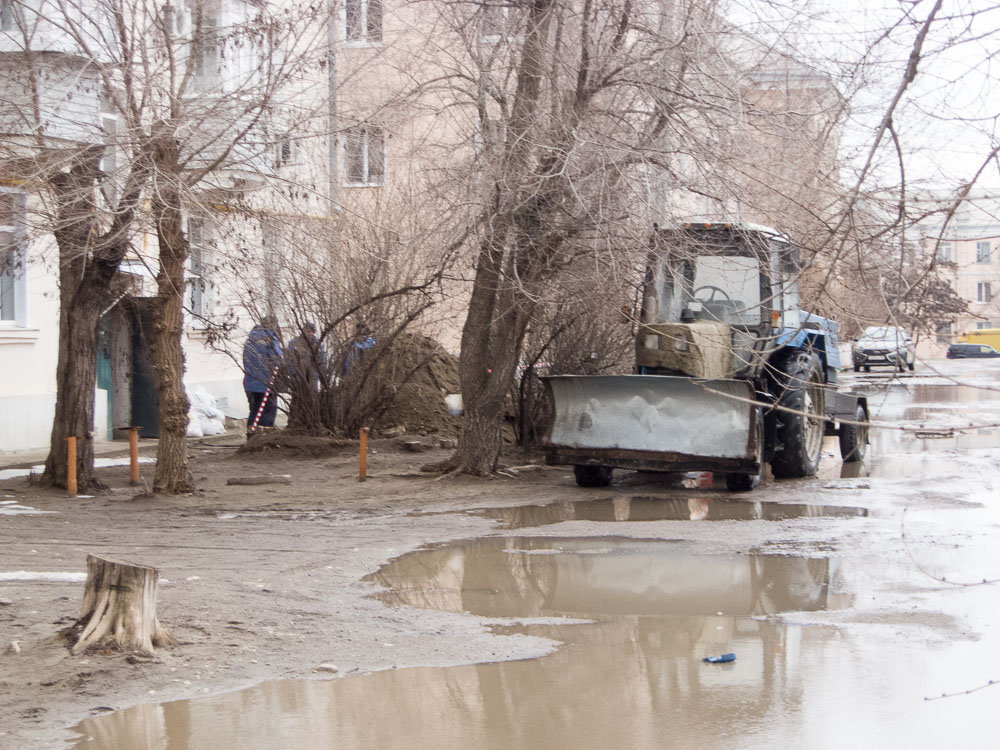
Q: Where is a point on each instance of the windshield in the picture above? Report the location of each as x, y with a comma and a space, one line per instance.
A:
882, 333
723, 288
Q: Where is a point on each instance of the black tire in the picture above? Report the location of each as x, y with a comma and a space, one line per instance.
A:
854, 437
593, 476
747, 482
800, 430
857, 368
867, 368
911, 365
742, 482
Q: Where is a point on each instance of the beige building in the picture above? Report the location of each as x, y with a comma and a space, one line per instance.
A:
967, 253
330, 144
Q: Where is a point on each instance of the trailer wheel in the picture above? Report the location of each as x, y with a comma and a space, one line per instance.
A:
592, 476
801, 428
854, 437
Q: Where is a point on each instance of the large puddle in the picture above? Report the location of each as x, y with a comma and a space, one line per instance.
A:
929, 423
635, 619
631, 677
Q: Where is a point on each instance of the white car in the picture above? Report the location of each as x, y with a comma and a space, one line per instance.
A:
884, 346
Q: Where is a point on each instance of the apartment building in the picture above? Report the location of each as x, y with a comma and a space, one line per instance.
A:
312, 155
80, 77
324, 147
967, 256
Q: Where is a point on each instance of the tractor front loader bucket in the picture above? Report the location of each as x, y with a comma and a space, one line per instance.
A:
654, 422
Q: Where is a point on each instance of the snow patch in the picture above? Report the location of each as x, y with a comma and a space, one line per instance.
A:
99, 463
24, 575
11, 508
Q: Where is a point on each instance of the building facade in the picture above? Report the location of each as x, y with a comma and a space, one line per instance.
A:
966, 253
319, 149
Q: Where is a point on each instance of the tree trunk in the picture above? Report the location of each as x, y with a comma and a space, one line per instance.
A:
172, 475
480, 443
119, 607
87, 266
501, 306
76, 378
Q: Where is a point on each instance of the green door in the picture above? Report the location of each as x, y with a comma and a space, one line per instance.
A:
104, 363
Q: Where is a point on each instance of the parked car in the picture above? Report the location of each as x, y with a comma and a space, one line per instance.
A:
962, 351
884, 346
989, 336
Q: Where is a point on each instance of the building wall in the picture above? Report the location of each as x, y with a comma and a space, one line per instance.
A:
967, 254
28, 355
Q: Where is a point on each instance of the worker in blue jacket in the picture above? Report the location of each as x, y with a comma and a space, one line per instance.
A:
261, 357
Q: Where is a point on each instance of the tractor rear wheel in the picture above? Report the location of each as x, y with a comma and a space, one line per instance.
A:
854, 437
592, 476
801, 418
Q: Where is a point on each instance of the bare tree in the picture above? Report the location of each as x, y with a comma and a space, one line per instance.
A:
595, 119
187, 96
345, 294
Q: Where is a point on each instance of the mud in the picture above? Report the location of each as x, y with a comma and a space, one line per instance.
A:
276, 582
423, 373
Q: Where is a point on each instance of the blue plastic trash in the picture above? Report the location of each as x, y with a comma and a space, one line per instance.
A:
720, 659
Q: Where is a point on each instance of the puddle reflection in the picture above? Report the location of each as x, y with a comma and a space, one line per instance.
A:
527, 577
663, 509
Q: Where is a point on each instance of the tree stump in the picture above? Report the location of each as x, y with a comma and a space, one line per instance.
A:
119, 607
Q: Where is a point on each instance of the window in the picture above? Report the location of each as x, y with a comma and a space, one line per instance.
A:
942, 332
982, 252
983, 291
199, 236
944, 252
286, 151
981, 324
491, 134
13, 303
364, 155
8, 15
493, 24
206, 54
109, 161
176, 18
363, 21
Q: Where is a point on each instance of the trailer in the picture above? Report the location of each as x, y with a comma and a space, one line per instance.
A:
730, 372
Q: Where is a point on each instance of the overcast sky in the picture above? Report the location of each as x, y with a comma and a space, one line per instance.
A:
948, 119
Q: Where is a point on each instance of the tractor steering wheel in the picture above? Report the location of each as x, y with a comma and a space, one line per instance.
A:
713, 290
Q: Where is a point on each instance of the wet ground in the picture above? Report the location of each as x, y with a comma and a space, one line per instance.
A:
851, 601
630, 670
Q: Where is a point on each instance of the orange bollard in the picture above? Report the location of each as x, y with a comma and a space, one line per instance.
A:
363, 475
71, 466
133, 455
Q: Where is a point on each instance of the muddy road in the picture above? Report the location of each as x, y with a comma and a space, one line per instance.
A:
526, 612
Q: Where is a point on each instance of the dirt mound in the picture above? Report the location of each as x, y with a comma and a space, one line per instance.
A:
295, 444
422, 373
